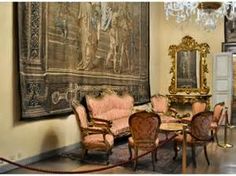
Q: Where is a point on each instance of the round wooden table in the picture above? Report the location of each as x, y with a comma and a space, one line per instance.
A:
172, 126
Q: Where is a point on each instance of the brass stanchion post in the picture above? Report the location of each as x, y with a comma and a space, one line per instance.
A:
184, 147
229, 125
225, 145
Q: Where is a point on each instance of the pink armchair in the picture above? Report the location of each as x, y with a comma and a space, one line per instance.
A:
94, 136
160, 106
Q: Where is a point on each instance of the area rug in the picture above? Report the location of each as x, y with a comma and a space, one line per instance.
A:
164, 165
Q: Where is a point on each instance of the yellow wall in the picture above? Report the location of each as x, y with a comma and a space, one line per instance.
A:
169, 32
20, 139
155, 20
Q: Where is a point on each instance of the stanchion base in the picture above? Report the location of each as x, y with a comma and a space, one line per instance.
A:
225, 145
231, 126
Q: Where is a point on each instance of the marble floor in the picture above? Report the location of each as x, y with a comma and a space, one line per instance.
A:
223, 161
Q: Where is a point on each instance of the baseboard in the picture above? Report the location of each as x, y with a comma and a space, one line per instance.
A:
42, 156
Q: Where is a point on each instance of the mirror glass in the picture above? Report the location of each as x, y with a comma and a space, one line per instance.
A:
187, 69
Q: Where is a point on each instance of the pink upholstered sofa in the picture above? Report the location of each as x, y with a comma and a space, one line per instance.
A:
112, 107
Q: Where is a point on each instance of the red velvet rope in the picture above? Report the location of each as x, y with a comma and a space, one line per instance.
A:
85, 171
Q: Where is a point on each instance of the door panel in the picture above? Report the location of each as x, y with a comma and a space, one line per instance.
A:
223, 80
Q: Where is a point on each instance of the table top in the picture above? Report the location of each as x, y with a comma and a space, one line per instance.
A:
172, 126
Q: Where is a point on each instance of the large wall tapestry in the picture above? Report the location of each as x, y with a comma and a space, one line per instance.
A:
68, 50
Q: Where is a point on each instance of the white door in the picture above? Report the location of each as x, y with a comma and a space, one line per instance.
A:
223, 80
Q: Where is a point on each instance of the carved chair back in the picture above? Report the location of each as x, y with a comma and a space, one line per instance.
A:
160, 103
200, 126
218, 110
198, 106
81, 116
144, 127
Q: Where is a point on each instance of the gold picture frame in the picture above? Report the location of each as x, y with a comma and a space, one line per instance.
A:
189, 67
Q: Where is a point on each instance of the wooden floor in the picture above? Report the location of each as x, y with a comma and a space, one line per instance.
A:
223, 161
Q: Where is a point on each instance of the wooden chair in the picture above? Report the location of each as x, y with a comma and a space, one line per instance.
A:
95, 135
217, 117
197, 135
144, 127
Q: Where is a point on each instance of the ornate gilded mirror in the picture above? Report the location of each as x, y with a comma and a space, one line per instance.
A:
189, 67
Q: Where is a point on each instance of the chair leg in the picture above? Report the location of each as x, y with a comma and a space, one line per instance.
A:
109, 152
156, 155
206, 156
153, 159
216, 137
176, 150
130, 152
212, 135
84, 152
136, 160
193, 156
166, 134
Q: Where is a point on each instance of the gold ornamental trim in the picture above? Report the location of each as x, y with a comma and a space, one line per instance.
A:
189, 44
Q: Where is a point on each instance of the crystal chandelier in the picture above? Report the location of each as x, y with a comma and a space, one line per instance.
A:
207, 13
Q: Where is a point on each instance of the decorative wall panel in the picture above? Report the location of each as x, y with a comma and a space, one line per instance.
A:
70, 49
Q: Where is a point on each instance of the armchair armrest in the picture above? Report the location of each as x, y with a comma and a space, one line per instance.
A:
208, 138
182, 116
95, 130
102, 120
101, 124
173, 110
